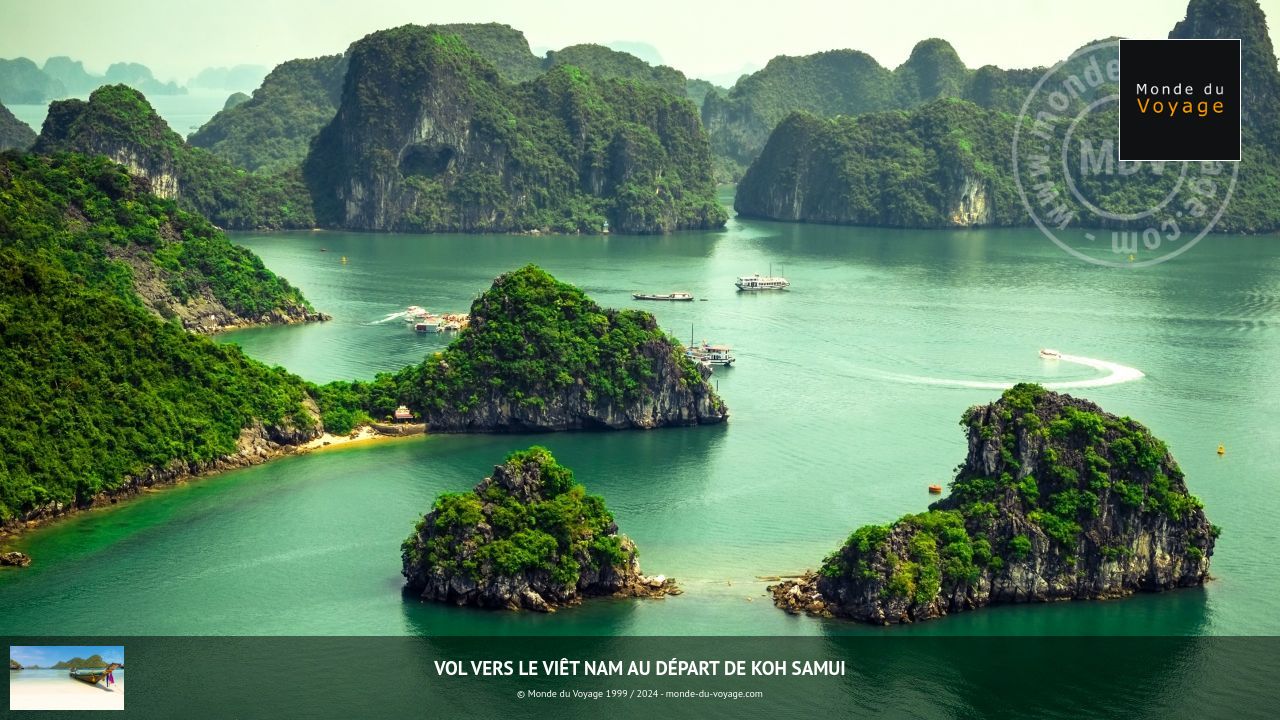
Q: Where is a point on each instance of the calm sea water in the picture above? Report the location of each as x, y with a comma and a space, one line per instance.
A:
845, 403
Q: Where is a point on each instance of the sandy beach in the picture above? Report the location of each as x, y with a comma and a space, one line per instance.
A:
63, 693
362, 435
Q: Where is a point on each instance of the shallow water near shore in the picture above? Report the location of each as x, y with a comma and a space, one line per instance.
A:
844, 404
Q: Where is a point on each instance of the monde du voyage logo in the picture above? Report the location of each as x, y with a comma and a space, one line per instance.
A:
1126, 153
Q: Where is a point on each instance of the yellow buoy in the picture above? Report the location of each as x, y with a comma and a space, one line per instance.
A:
1222, 449
1131, 257
344, 259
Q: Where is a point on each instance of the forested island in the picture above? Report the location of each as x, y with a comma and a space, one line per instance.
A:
1056, 500
444, 144
539, 355
527, 537
867, 160
153, 400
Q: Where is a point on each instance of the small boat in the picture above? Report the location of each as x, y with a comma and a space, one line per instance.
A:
711, 354
1050, 354
670, 297
429, 324
935, 489
93, 676
1222, 449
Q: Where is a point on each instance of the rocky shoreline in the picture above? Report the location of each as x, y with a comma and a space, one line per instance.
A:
526, 538
1056, 500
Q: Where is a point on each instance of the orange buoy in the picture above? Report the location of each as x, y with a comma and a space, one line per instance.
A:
935, 489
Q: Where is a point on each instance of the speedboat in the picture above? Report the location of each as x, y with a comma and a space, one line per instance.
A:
1050, 354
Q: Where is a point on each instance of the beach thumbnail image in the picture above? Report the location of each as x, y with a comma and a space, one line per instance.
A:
66, 677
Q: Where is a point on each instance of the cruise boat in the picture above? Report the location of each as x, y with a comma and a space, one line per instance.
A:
671, 297
712, 354
756, 281
1050, 354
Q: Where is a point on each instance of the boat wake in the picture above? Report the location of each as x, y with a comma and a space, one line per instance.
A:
1116, 374
389, 318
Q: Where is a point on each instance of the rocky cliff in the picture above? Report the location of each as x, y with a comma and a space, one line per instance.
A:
948, 164
273, 129
14, 134
177, 265
527, 537
539, 355
826, 84
889, 169
1056, 500
118, 122
429, 137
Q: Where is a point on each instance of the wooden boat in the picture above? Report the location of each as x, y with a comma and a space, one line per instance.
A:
93, 676
670, 297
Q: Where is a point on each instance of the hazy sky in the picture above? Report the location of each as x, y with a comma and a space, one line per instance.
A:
710, 39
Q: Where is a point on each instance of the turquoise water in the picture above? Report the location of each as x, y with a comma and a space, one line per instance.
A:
44, 675
844, 407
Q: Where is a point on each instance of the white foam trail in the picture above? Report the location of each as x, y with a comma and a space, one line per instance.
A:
1116, 374
390, 317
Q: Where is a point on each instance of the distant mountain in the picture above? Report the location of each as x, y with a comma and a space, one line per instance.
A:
71, 73
847, 82
698, 90
443, 143
611, 64
22, 82
238, 77
642, 50
234, 99
948, 163
14, 134
139, 77
274, 129
118, 122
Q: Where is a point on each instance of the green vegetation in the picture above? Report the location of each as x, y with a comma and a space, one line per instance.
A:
1083, 459
931, 145
1089, 459
558, 528
566, 151
94, 387
531, 337
698, 90
891, 168
86, 213
14, 134
608, 64
76, 663
117, 121
272, 131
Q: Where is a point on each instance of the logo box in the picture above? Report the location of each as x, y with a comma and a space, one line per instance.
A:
1180, 100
